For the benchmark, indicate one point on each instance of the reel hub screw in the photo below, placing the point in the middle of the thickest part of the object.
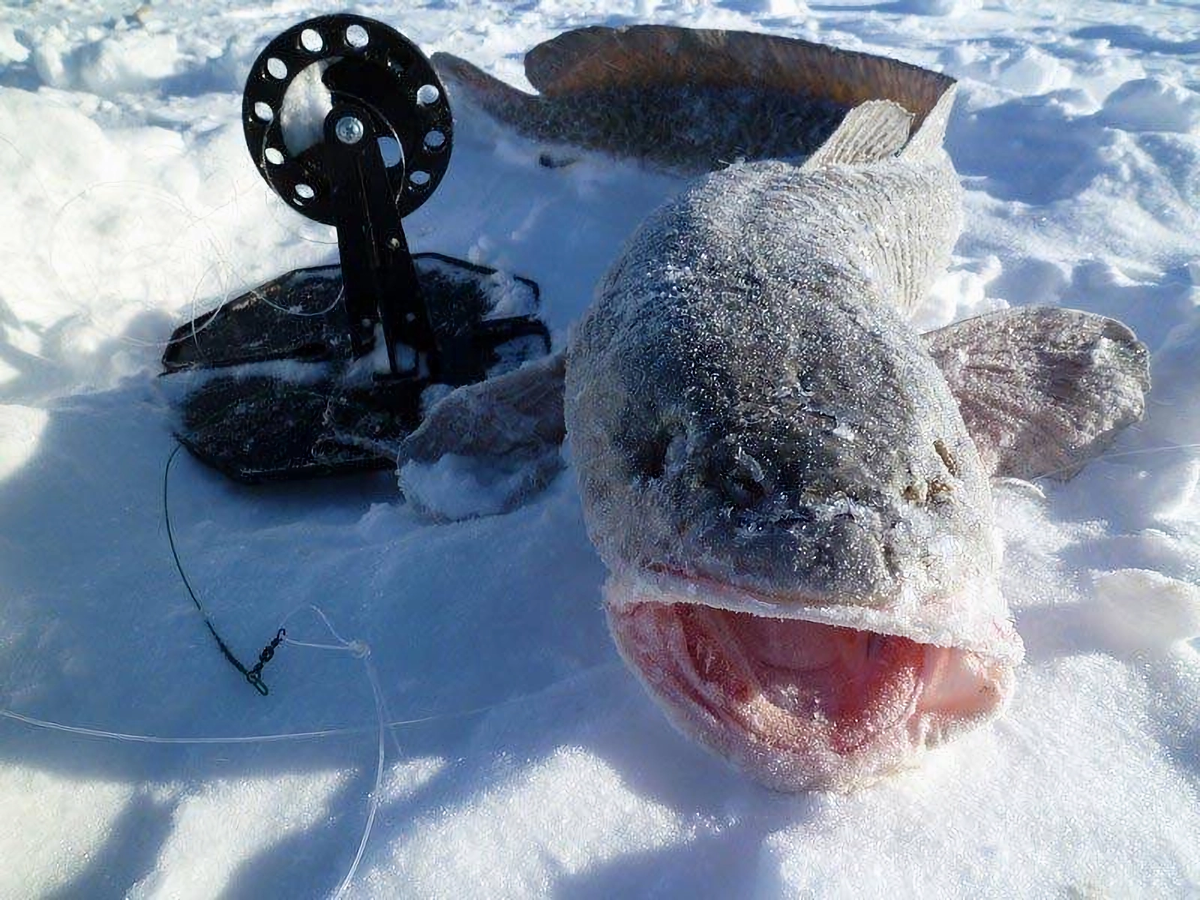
(349, 130)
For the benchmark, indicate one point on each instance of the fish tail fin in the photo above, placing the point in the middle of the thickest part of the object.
(500, 100)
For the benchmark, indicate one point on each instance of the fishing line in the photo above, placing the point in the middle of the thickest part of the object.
(384, 723)
(219, 252)
(127, 737)
(359, 649)
(356, 648)
(28, 169)
(1116, 455)
(253, 674)
(320, 734)
(343, 643)
(232, 274)
(208, 240)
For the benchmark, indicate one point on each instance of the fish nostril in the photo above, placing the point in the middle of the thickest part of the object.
(741, 482)
(652, 458)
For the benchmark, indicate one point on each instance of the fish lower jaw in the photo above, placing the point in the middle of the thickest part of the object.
(802, 705)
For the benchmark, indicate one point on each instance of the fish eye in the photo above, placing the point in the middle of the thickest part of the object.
(654, 464)
(742, 488)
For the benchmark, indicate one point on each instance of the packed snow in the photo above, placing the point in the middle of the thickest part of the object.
(135, 762)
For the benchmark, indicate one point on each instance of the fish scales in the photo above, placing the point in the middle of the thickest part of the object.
(776, 469)
(765, 124)
(745, 284)
(690, 100)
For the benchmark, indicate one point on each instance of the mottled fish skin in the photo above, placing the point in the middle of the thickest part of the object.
(774, 466)
(707, 129)
(746, 401)
(689, 100)
(756, 427)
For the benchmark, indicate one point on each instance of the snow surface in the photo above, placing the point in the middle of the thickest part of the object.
(128, 203)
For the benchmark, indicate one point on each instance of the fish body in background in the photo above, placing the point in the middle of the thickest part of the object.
(689, 100)
(788, 484)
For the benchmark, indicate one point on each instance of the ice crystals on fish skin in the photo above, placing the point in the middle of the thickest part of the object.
(770, 458)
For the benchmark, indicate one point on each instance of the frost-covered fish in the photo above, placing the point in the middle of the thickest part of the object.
(788, 484)
(689, 99)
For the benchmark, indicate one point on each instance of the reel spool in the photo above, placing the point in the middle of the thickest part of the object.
(322, 370)
(363, 63)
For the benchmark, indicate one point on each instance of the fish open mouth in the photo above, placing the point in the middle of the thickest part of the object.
(801, 704)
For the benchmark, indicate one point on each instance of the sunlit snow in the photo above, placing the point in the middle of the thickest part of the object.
(128, 204)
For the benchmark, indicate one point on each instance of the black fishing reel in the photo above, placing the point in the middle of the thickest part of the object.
(382, 89)
(326, 369)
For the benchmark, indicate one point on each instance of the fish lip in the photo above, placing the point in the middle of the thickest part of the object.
(902, 616)
(768, 716)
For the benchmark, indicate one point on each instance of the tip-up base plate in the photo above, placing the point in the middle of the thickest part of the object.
(267, 387)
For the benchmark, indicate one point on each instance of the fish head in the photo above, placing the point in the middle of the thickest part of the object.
(798, 528)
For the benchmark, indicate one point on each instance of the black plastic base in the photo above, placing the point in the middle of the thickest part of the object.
(267, 387)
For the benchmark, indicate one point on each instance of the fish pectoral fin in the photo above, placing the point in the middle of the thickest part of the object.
(495, 442)
(513, 416)
(1042, 391)
(871, 131)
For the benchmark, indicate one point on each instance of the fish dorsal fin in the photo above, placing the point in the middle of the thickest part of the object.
(658, 55)
(871, 131)
(928, 137)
